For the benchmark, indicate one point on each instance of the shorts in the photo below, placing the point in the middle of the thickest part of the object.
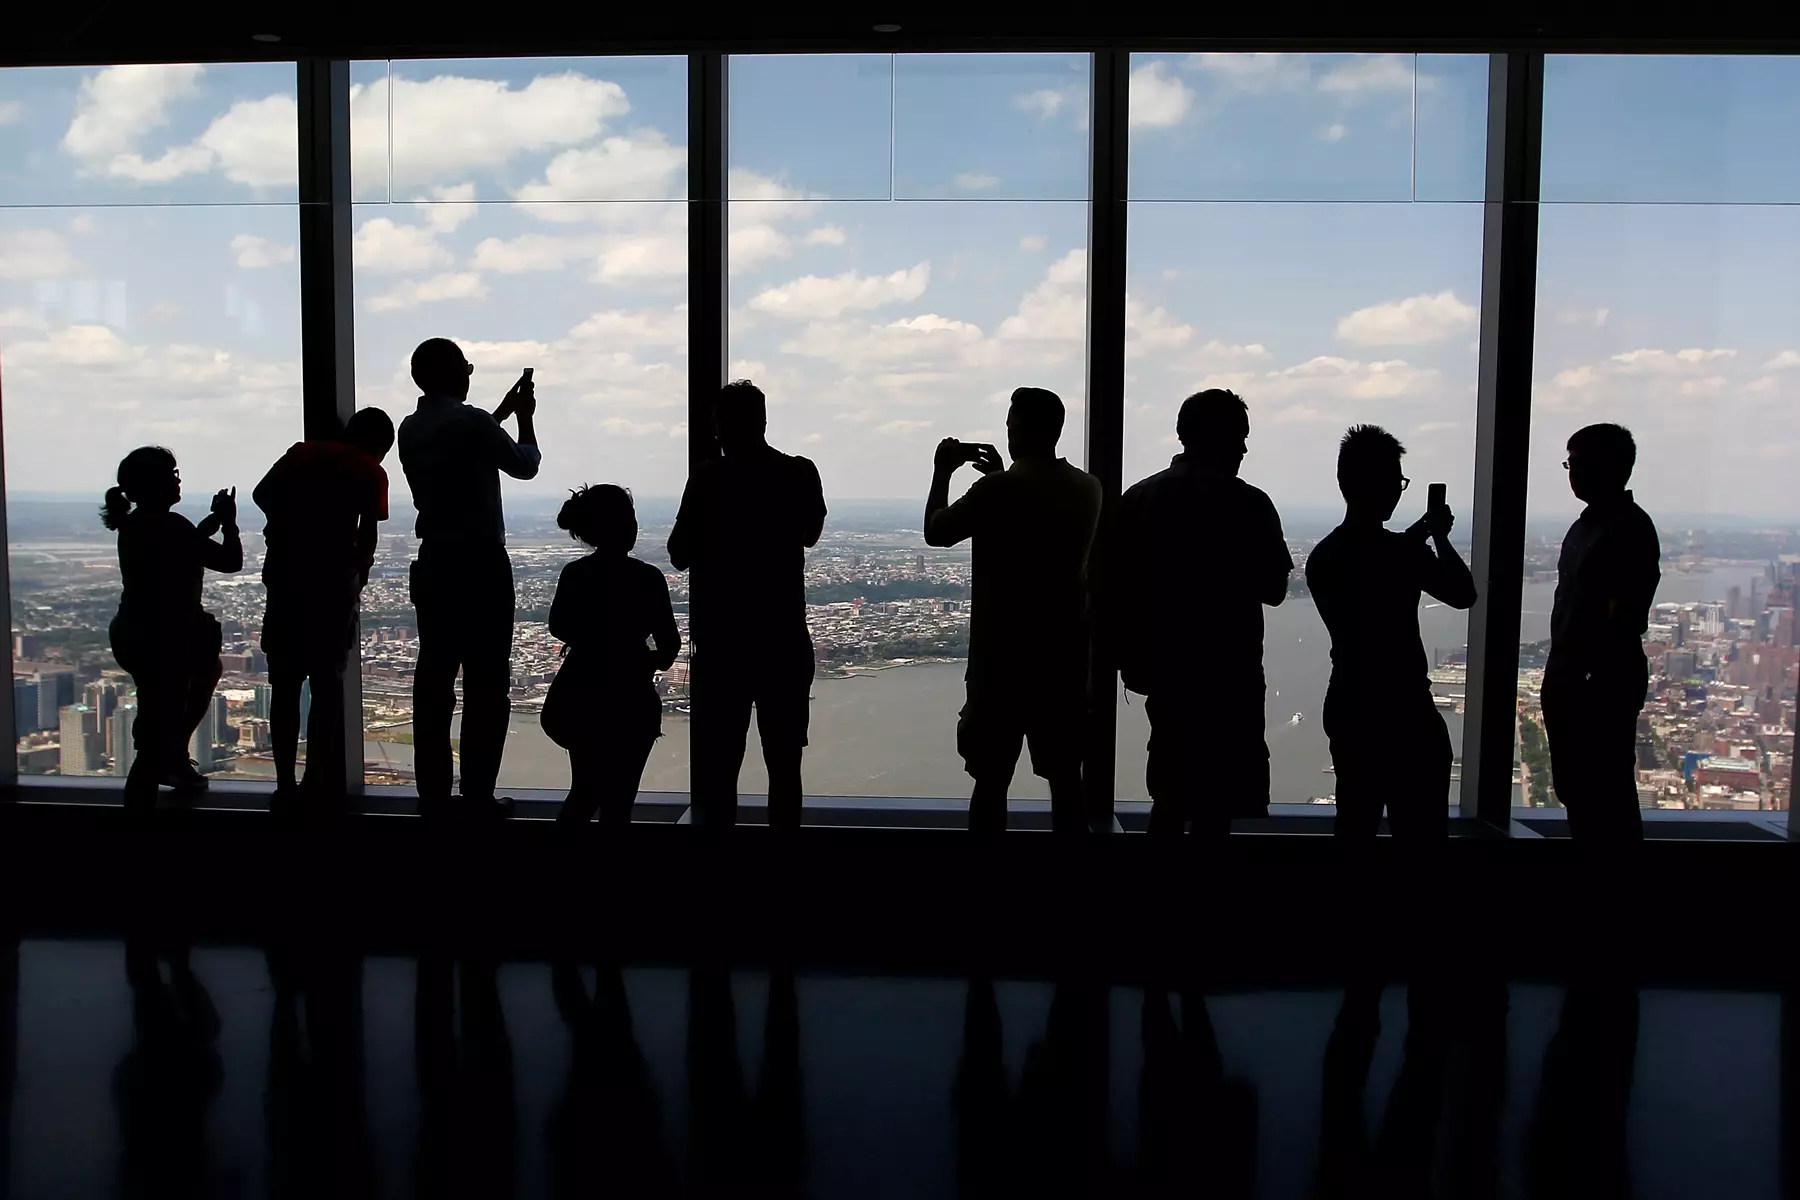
(309, 624)
(1207, 753)
(1000, 715)
(777, 684)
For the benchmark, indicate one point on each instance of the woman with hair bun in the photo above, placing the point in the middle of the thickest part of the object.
(603, 707)
(161, 634)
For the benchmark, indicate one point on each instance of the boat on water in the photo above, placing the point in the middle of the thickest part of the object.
(1295, 719)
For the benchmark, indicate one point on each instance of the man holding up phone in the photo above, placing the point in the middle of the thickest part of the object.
(1388, 743)
(462, 584)
(1032, 525)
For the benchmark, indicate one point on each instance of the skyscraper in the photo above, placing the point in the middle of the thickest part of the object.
(56, 690)
(265, 700)
(78, 743)
(25, 707)
(206, 736)
(124, 749)
(101, 699)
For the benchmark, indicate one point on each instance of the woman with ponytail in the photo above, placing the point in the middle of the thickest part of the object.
(161, 634)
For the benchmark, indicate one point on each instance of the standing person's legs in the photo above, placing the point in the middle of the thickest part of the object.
(434, 680)
(1615, 700)
(783, 709)
(1165, 766)
(487, 672)
(587, 765)
(203, 671)
(1056, 717)
(722, 696)
(1360, 788)
(618, 788)
(989, 736)
(284, 721)
(1418, 800)
(161, 693)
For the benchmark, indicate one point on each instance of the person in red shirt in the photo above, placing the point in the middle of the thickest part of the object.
(325, 500)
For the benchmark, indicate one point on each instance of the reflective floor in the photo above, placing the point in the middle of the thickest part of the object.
(221, 1071)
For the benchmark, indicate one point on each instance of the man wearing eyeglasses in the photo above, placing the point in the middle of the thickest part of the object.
(1596, 677)
(1388, 743)
(461, 583)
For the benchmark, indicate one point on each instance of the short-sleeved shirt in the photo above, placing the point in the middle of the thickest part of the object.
(606, 609)
(1606, 580)
(163, 561)
(1367, 583)
(453, 454)
(1187, 537)
(315, 497)
(1032, 525)
(743, 528)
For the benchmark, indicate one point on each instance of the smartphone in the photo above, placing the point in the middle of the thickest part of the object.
(527, 378)
(1434, 496)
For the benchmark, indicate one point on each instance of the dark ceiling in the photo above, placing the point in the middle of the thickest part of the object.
(97, 31)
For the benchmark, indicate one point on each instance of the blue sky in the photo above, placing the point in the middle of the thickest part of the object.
(908, 244)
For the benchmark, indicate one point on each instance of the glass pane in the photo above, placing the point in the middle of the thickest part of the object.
(1679, 322)
(1306, 126)
(991, 126)
(123, 327)
(178, 133)
(591, 294)
(824, 119)
(369, 174)
(1320, 316)
(1678, 129)
(876, 330)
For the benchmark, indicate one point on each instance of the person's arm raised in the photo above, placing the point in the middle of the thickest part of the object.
(522, 458)
(947, 524)
(1448, 578)
(228, 556)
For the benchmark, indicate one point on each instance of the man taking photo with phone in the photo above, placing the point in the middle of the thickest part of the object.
(1032, 526)
(1388, 743)
(462, 586)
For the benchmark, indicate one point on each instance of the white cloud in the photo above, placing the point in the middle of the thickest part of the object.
(1045, 102)
(450, 125)
(253, 252)
(626, 427)
(448, 207)
(34, 254)
(1157, 98)
(1595, 317)
(902, 428)
(381, 247)
(1370, 73)
(1335, 132)
(1151, 329)
(11, 112)
(1710, 385)
(1787, 360)
(911, 344)
(465, 285)
(1252, 72)
(971, 181)
(255, 142)
(531, 252)
(639, 327)
(21, 318)
(825, 235)
(1032, 243)
(1415, 321)
(1576, 377)
(1056, 309)
(655, 255)
(83, 224)
(118, 105)
(1662, 362)
(642, 166)
(813, 297)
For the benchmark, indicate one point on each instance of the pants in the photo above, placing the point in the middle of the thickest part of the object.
(1003, 714)
(1591, 724)
(604, 778)
(464, 598)
(1397, 755)
(1191, 736)
(726, 686)
(175, 670)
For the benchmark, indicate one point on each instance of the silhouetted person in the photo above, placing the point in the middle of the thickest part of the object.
(1388, 743)
(318, 1142)
(468, 1123)
(1576, 1146)
(462, 584)
(1175, 539)
(1596, 677)
(606, 1132)
(745, 523)
(603, 707)
(161, 634)
(1032, 526)
(1197, 1125)
(325, 501)
(170, 1076)
(1062, 1103)
(982, 1100)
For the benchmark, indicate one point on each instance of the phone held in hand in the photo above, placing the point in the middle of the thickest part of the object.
(526, 377)
(1435, 496)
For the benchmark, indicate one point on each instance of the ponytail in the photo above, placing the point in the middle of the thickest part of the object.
(117, 508)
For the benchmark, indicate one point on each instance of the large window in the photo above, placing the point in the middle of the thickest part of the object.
(1302, 233)
(907, 245)
(532, 211)
(148, 295)
(1669, 250)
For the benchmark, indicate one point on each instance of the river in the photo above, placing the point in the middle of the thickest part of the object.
(893, 732)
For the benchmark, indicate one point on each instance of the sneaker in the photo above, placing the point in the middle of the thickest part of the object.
(185, 778)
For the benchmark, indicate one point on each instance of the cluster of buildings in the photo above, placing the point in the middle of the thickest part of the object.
(1717, 731)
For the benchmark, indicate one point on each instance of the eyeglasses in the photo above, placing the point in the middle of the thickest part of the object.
(1565, 464)
(1405, 483)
